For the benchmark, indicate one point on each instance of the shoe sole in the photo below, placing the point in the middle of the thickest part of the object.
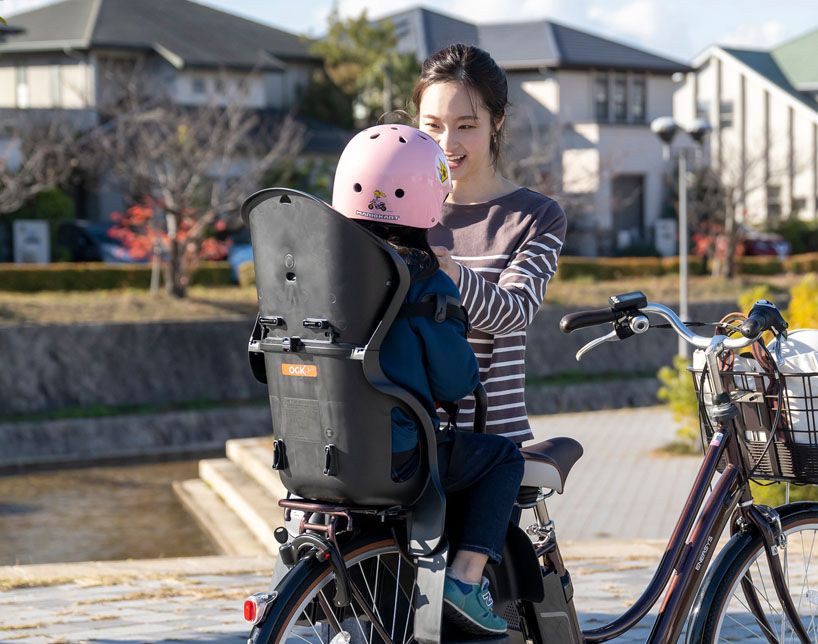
(466, 623)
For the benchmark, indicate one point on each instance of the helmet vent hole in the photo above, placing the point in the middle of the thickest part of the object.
(393, 127)
(285, 199)
(374, 136)
(399, 193)
(290, 277)
(401, 139)
(425, 138)
(357, 187)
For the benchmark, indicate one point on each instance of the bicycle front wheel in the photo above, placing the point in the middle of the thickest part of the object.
(303, 610)
(740, 580)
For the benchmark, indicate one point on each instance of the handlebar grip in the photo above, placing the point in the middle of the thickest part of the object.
(752, 327)
(582, 319)
(763, 316)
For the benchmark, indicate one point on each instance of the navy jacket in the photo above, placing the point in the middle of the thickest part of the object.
(432, 360)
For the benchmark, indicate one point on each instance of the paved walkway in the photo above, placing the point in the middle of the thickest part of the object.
(619, 497)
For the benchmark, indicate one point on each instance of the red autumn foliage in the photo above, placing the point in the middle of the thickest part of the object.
(141, 231)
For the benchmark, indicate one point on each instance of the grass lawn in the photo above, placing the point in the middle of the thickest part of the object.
(133, 305)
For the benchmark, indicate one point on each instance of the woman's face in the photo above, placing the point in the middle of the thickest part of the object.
(461, 125)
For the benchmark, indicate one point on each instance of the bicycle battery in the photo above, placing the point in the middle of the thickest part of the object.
(555, 614)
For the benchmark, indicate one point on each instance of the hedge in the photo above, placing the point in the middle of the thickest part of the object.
(95, 276)
(571, 267)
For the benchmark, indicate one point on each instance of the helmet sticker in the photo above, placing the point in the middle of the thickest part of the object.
(378, 208)
(442, 170)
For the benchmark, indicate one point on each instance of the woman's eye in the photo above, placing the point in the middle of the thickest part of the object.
(430, 125)
(466, 127)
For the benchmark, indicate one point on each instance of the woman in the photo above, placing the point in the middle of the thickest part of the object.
(499, 242)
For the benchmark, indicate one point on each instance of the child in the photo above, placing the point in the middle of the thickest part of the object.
(394, 179)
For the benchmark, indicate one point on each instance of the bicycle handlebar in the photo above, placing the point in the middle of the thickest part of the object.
(635, 322)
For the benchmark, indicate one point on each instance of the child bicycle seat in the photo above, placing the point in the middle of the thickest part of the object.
(329, 290)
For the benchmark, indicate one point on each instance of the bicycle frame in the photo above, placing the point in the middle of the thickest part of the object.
(689, 557)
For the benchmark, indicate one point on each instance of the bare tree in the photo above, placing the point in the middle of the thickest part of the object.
(193, 165)
(720, 199)
(36, 153)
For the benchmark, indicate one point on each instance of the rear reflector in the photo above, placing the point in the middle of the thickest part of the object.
(256, 606)
(250, 610)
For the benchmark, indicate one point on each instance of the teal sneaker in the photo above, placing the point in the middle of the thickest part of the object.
(471, 611)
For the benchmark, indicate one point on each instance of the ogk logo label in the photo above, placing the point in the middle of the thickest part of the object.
(299, 370)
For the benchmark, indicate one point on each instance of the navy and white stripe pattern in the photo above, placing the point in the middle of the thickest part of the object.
(508, 250)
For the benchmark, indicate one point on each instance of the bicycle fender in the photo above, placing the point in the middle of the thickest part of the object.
(725, 558)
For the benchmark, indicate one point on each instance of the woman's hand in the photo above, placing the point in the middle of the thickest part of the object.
(447, 264)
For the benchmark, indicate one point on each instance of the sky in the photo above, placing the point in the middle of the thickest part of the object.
(678, 30)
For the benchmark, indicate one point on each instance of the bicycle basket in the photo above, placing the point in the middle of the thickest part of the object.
(792, 455)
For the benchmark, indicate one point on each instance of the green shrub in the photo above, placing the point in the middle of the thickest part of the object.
(764, 265)
(247, 273)
(775, 494)
(96, 276)
(804, 263)
(802, 235)
(679, 393)
(607, 268)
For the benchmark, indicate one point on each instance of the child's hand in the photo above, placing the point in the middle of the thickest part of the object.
(447, 264)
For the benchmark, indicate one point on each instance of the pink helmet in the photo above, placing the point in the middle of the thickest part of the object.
(394, 174)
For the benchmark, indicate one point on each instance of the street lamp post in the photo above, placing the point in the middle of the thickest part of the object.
(665, 128)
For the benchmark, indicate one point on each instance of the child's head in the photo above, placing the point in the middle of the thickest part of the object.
(393, 179)
(392, 174)
(461, 100)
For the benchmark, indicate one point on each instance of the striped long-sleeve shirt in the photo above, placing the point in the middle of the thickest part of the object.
(507, 249)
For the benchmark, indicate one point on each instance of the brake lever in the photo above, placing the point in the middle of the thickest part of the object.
(593, 344)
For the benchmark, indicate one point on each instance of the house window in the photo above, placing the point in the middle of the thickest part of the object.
(21, 83)
(56, 86)
(726, 114)
(199, 86)
(703, 110)
(799, 205)
(601, 97)
(638, 99)
(218, 85)
(773, 202)
(620, 98)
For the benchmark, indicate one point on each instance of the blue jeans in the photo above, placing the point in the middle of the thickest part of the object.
(481, 475)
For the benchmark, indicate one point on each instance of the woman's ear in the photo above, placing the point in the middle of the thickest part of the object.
(498, 123)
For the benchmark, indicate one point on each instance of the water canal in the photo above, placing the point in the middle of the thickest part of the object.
(98, 513)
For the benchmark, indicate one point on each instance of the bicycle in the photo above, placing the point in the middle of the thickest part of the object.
(372, 572)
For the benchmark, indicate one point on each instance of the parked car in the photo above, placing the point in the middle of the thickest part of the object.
(751, 243)
(771, 244)
(90, 241)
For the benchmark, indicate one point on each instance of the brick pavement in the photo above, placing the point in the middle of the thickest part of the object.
(619, 496)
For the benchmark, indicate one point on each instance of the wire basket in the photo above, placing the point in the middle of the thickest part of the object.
(792, 455)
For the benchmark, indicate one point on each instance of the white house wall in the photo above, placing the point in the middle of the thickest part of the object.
(774, 146)
(73, 83)
(250, 86)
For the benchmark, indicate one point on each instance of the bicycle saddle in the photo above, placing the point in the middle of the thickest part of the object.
(548, 463)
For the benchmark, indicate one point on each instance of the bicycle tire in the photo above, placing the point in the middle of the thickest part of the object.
(722, 610)
(298, 590)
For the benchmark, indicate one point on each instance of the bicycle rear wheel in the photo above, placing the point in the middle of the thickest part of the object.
(303, 611)
(724, 614)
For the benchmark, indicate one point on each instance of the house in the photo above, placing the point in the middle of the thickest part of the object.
(72, 56)
(763, 106)
(59, 55)
(581, 112)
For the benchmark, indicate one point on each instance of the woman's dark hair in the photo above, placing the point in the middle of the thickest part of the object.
(476, 70)
(412, 244)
